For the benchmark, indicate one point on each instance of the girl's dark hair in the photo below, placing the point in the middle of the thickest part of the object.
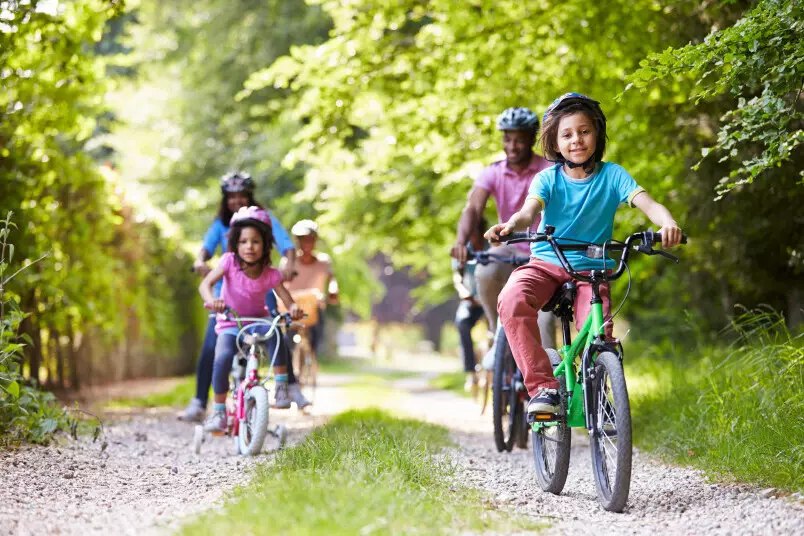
(225, 215)
(265, 232)
(549, 137)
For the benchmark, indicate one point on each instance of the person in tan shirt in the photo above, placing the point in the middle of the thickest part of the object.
(314, 276)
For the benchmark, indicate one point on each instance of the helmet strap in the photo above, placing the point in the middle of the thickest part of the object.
(588, 165)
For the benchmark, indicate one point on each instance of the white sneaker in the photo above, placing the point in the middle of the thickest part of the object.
(296, 396)
(193, 413)
(281, 398)
(216, 423)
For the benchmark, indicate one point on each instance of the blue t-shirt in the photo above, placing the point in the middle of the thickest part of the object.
(218, 236)
(582, 209)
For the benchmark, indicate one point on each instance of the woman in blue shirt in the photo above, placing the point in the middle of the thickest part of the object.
(237, 191)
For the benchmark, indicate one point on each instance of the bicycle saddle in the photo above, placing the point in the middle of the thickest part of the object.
(562, 301)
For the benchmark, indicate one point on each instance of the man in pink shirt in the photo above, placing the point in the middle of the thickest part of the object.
(507, 181)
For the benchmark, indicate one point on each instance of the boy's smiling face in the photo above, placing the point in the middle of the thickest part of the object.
(577, 137)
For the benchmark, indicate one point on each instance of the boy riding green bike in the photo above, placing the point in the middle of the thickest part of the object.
(578, 198)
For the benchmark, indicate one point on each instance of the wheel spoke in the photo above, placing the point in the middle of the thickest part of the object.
(607, 428)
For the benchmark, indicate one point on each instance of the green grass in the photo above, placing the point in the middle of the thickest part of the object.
(365, 473)
(735, 412)
(178, 396)
(451, 381)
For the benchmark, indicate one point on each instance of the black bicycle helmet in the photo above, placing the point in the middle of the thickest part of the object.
(237, 181)
(581, 102)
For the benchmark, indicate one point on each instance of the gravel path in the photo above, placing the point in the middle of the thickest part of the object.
(148, 481)
(663, 499)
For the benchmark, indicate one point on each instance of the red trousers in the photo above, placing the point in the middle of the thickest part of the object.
(528, 289)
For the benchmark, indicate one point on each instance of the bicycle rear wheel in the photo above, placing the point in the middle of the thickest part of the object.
(552, 444)
(502, 390)
(610, 443)
(251, 433)
(521, 425)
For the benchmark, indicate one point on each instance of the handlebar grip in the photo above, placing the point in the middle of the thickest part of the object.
(657, 238)
(524, 235)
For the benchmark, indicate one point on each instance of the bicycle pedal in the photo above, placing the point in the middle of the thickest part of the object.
(541, 417)
(217, 434)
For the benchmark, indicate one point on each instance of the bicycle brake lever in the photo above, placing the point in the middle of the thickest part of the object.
(666, 255)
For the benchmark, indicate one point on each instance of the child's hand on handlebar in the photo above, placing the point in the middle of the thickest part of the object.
(218, 305)
(499, 230)
(296, 312)
(671, 235)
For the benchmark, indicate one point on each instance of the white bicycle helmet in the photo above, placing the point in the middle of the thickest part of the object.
(304, 228)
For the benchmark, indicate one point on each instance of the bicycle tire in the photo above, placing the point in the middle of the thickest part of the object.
(252, 432)
(313, 374)
(522, 428)
(608, 387)
(504, 369)
(551, 448)
(485, 388)
(297, 362)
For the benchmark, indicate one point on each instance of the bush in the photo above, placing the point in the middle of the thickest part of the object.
(26, 414)
(729, 409)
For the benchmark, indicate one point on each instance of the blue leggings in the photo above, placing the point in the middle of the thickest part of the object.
(225, 349)
(206, 360)
(466, 317)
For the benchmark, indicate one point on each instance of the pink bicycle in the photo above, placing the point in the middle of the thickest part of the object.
(247, 410)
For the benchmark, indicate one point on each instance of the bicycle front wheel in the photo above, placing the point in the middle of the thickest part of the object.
(552, 444)
(251, 433)
(610, 442)
(501, 396)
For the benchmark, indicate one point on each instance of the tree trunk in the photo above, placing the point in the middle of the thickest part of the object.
(795, 308)
(72, 357)
(58, 355)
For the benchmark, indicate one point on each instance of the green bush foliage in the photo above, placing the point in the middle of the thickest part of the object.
(732, 411)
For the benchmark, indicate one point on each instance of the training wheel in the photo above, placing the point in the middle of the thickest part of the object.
(281, 433)
(198, 438)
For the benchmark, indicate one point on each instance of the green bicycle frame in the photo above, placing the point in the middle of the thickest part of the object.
(592, 327)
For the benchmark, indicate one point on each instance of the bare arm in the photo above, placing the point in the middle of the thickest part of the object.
(200, 264)
(205, 289)
(294, 310)
(469, 218)
(289, 266)
(519, 221)
(659, 215)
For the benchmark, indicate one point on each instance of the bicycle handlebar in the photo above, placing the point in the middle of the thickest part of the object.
(646, 240)
(231, 315)
(484, 257)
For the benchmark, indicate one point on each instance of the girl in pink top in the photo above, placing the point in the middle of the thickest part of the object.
(247, 277)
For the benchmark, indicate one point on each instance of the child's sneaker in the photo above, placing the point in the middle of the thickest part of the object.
(194, 412)
(296, 396)
(281, 398)
(216, 423)
(545, 401)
